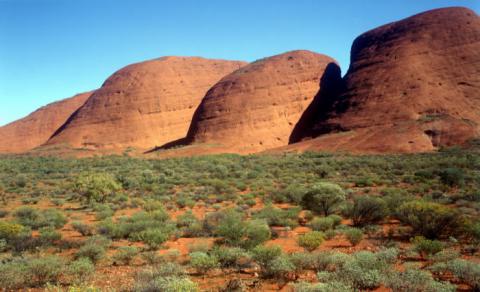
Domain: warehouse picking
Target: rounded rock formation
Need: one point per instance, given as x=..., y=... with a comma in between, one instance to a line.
x=144, y=105
x=413, y=85
x=36, y=128
x=258, y=106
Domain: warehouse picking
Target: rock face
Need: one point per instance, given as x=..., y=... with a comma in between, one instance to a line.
x=258, y=106
x=36, y=128
x=144, y=105
x=413, y=85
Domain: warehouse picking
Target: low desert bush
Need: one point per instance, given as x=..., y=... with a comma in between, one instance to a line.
x=81, y=270
x=125, y=255
x=231, y=257
x=203, y=262
x=311, y=240
x=94, y=248
x=280, y=267
x=321, y=224
x=33, y=218
x=264, y=255
x=354, y=235
x=426, y=247
x=414, y=280
x=169, y=277
x=82, y=228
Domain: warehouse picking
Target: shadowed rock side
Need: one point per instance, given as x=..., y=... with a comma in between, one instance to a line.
x=36, y=128
x=258, y=106
x=413, y=85
x=144, y=105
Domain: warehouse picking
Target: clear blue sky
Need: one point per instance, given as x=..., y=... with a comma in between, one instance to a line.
x=52, y=49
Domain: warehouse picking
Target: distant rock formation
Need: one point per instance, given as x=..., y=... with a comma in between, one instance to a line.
x=143, y=105
x=258, y=106
x=36, y=128
x=413, y=85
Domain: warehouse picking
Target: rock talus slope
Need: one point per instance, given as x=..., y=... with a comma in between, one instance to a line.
x=258, y=106
x=413, y=85
x=144, y=105
x=36, y=128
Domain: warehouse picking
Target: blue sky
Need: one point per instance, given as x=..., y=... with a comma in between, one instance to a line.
x=53, y=49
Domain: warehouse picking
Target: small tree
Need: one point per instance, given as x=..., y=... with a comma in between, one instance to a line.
x=429, y=219
x=368, y=210
x=256, y=232
x=232, y=227
x=323, y=198
x=96, y=187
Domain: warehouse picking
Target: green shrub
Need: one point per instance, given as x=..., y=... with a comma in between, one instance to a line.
x=280, y=267
x=96, y=187
x=368, y=210
x=103, y=212
x=14, y=274
x=329, y=234
x=291, y=194
x=279, y=217
x=256, y=232
x=414, y=280
x=321, y=224
x=94, y=248
x=154, y=238
x=187, y=219
x=9, y=230
x=203, y=262
x=467, y=271
x=125, y=255
x=332, y=286
x=48, y=235
x=473, y=229
x=363, y=270
x=354, y=235
x=82, y=228
x=311, y=240
x=302, y=260
x=452, y=176
x=426, y=246
x=394, y=198
x=168, y=284
x=264, y=255
x=429, y=219
x=168, y=277
x=231, y=257
x=28, y=216
x=337, y=220
x=151, y=257
x=45, y=270
x=81, y=270
x=323, y=198
x=231, y=228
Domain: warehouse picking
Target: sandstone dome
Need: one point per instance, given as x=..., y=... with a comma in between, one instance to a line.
x=413, y=85
x=144, y=105
x=35, y=129
x=258, y=106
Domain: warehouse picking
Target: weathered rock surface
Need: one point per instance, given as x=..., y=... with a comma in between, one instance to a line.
x=258, y=106
x=413, y=85
x=144, y=105
x=36, y=128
